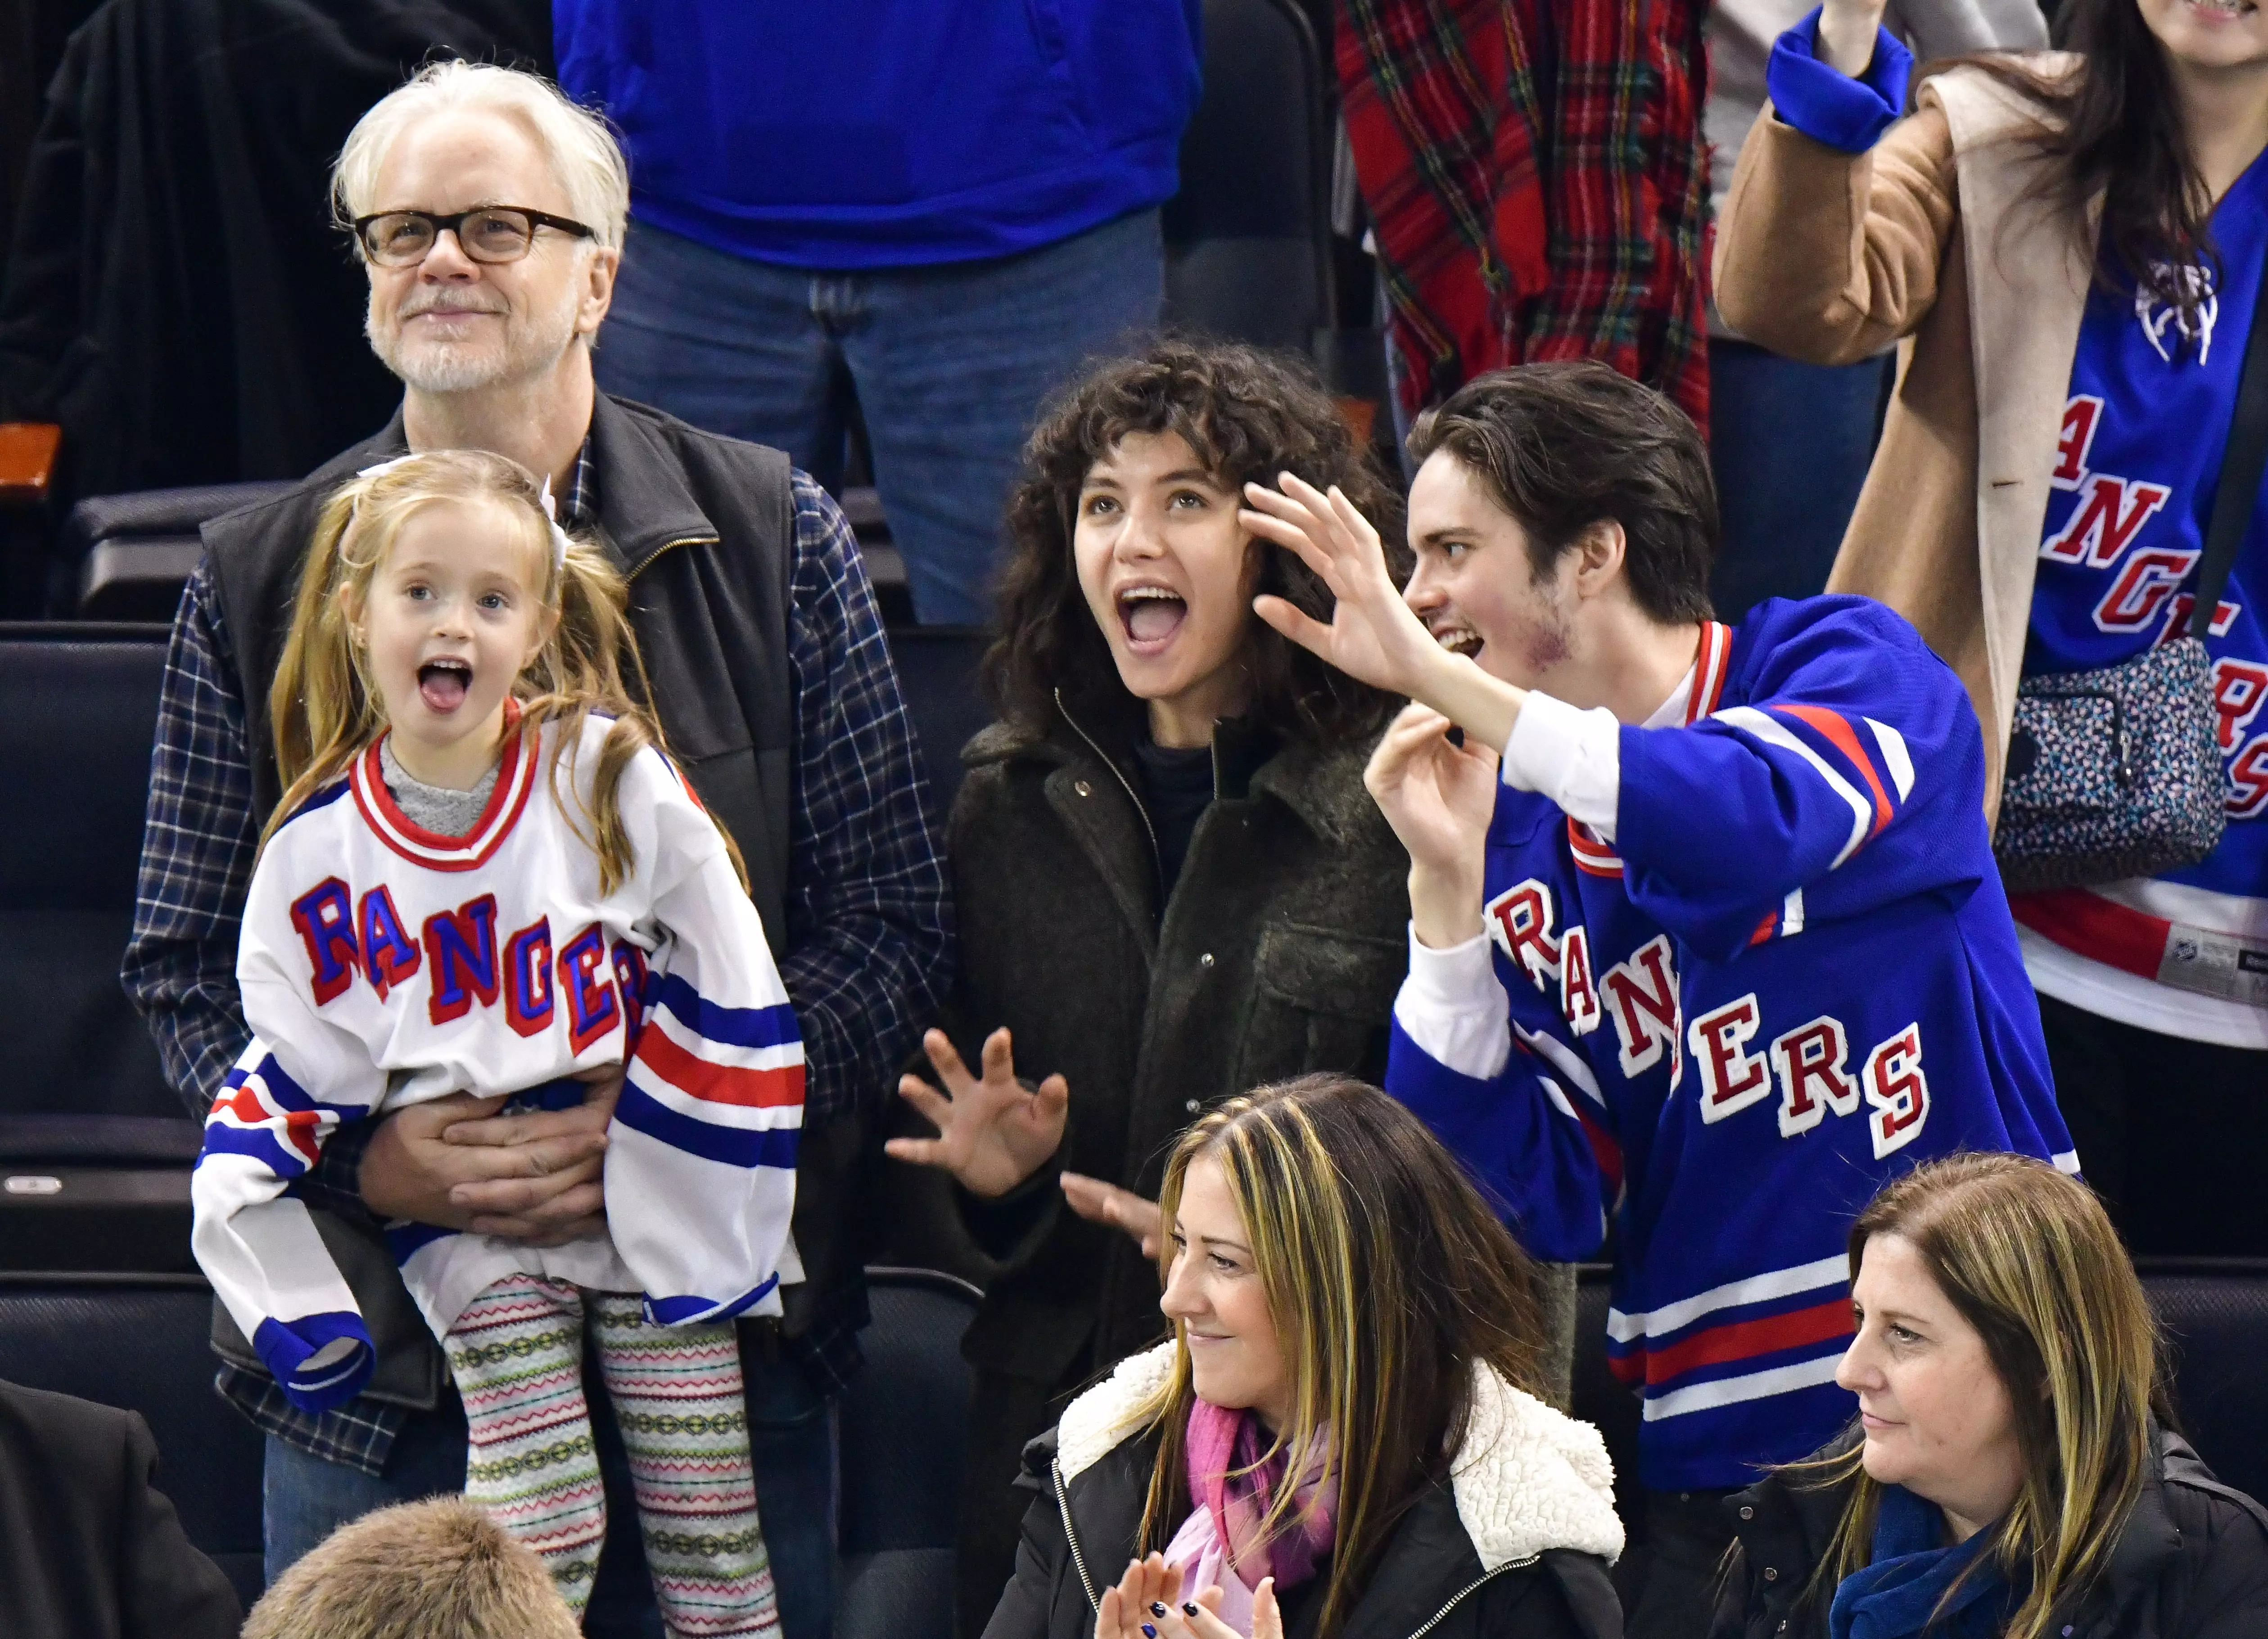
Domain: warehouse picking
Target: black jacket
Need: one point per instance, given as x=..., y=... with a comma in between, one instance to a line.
x=1279, y=953
x=177, y=296
x=90, y=1549
x=2192, y=1562
x=703, y=527
x=1082, y=1528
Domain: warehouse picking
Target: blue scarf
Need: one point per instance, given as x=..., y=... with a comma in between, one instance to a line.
x=1895, y=1596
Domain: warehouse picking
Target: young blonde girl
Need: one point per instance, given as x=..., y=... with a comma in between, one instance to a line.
x=486, y=875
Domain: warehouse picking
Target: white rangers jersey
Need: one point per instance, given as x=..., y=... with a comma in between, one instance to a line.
x=382, y=965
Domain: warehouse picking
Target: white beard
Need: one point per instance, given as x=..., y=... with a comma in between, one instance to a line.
x=528, y=350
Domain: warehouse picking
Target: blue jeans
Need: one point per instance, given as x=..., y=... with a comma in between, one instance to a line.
x=792, y=1433
x=1790, y=443
x=950, y=364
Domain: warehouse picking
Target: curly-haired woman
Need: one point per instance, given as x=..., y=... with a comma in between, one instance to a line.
x=1171, y=884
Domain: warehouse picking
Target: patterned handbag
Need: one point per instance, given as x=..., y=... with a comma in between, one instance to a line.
x=2117, y=773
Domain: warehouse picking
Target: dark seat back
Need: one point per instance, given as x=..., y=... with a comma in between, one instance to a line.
x=2215, y=1315
x=139, y=1342
x=75, y=756
x=937, y=670
x=1601, y=1397
x=126, y=557
x=902, y=1422
x=1247, y=239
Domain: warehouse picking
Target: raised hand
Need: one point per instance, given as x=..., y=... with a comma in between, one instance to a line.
x=1846, y=34
x=1127, y=1608
x=1105, y=1203
x=1439, y=798
x=1203, y=1622
x=1372, y=634
x=992, y=1134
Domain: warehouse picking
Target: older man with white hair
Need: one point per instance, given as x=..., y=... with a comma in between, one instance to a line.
x=489, y=213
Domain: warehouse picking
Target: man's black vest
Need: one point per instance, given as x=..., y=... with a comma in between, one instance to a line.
x=704, y=528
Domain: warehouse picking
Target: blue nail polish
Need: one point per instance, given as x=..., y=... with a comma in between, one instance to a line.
x=1192, y=1609
x=1150, y=1632
x=1157, y=1609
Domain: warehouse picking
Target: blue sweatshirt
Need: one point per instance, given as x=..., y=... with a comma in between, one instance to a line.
x=886, y=133
x=1788, y=977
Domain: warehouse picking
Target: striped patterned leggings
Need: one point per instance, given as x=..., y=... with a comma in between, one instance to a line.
x=517, y=1354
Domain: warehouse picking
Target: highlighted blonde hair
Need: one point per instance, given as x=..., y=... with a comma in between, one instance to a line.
x=326, y=711
x=2028, y=1258
x=1388, y=1279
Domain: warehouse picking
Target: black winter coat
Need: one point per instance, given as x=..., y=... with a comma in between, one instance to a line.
x=1279, y=953
x=2192, y=1562
x=90, y=1549
x=1080, y=1533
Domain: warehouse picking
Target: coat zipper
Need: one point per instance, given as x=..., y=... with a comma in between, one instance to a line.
x=681, y=541
x=1486, y=1576
x=1157, y=855
x=1070, y=1536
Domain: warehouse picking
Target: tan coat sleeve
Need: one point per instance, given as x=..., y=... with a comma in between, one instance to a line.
x=1831, y=257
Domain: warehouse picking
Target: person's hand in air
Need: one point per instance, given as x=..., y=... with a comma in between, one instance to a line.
x=1373, y=635
x=1122, y=1209
x=992, y=1133
x=1438, y=798
x=1846, y=34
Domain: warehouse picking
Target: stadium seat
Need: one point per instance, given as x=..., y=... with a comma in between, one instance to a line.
x=1601, y=1397
x=126, y=557
x=94, y=1147
x=2215, y=1315
x=1247, y=239
x=138, y=1342
x=937, y=672
x=902, y=1421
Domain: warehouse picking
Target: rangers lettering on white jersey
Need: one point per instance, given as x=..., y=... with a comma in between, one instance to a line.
x=383, y=966
x=1782, y=974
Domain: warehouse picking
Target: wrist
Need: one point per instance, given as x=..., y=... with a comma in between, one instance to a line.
x=1846, y=38
x=1445, y=906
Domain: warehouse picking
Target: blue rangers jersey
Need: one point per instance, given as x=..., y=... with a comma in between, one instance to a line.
x=2137, y=468
x=382, y=965
x=1782, y=972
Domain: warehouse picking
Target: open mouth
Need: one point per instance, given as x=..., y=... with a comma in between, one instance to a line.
x=1458, y=640
x=1151, y=615
x=442, y=684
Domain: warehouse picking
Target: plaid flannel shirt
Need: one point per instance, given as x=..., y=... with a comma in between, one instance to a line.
x=870, y=925
x=1537, y=185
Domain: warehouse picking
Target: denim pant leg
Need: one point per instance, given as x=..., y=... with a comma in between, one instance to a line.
x=304, y=1498
x=733, y=346
x=953, y=364
x=1790, y=443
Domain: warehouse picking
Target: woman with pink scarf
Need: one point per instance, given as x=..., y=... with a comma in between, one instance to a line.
x=1342, y=1438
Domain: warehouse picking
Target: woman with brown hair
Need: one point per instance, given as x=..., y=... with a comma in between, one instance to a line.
x=1342, y=1435
x=1171, y=884
x=2072, y=245
x=2013, y=1472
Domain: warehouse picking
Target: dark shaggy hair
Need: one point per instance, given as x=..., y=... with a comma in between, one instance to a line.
x=1562, y=446
x=2113, y=128
x=1248, y=416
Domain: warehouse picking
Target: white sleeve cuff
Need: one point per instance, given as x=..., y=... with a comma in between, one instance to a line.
x=1453, y=1010
x=1573, y=757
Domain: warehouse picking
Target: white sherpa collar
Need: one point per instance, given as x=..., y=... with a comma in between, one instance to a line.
x=1529, y=1478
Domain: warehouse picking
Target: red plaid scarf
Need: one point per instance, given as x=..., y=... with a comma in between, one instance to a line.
x=1536, y=183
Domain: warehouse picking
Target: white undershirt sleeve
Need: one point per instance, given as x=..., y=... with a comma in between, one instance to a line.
x=1573, y=757
x=1453, y=1010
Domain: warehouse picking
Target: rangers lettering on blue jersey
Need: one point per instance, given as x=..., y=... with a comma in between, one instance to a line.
x=1788, y=974
x=2138, y=468
x=383, y=966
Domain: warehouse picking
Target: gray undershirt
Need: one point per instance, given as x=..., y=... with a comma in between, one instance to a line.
x=442, y=811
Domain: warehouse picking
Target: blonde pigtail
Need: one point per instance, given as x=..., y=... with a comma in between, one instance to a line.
x=320, y=709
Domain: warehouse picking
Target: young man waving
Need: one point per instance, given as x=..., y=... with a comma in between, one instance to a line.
x=1716, y=943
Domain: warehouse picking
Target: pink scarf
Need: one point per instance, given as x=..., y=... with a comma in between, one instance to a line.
x=1233, y=1490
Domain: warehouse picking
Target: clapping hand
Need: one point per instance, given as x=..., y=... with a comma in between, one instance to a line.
x=991, y=1134
x=1146, y=1604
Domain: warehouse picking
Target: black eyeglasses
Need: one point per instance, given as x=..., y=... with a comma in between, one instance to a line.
x=400, y=239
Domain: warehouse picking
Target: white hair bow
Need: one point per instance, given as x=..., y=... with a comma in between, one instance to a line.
x=559, y=535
